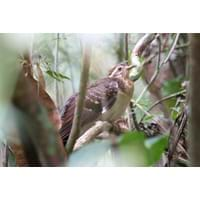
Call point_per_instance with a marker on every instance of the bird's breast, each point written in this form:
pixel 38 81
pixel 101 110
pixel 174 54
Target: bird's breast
pixel 119 107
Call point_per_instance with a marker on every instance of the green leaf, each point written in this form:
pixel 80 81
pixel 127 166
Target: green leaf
pixel 136 150
pixel 172 86
pixel 56 75
pixel 63 76
pixel 156 147
pixel 175 112
pixel 147 118
pixel 132 151
pixel 89 155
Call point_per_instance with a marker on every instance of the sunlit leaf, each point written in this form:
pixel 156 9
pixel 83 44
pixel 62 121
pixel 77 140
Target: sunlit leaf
pixel 147 118
pixel 136 150
pixel 132 151
pixel 56 75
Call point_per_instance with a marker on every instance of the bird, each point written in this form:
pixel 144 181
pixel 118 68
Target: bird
pixel 105 100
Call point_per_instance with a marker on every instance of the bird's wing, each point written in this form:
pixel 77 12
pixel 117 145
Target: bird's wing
pixel 67 118
pixel 99 98
pixel 111 90
pixel 103 94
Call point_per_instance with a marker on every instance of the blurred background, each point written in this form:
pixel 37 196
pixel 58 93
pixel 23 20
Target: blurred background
pixel 56 62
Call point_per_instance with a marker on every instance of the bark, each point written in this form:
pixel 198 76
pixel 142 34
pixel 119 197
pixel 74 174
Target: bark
pixel 80 102
pixel 195 100
pixel 92 133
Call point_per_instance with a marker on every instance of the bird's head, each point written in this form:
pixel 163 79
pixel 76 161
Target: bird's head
pixel 120 71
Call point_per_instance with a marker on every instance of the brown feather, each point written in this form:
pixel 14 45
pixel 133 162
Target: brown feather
pixel 100 97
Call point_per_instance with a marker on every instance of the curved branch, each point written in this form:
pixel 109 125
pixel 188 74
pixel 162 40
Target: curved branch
pixel 155 73
pixel 159 65
pixel 138 50
pixel 142 44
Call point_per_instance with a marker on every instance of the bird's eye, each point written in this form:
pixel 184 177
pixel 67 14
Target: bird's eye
pixel 120 68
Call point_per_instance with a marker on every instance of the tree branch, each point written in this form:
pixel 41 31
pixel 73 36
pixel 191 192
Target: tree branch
pixel 159 65
pixel 137 52
pixel 92 133
pixel 80 102
pixel 155 73
pixel 172 48
pixel 195 99
pixel 143 43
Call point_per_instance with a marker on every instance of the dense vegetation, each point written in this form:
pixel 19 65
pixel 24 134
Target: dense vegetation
pixel 38 77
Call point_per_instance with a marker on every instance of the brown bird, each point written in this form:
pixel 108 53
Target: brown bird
pixel 105 100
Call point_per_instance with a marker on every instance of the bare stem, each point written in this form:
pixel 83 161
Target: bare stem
pixel 80 102
pixel 154 75
pixel 159 65
pixel 172 48
pixel 58 103
pixel 126 46
pixel 164 99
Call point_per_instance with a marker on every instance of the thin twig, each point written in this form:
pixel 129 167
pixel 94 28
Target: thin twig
pixel 159 65
pixel 155 73
pixel 134 116
pixel 183 150
pixel 183 161
pixel 177 136
pixel 185 45
pixel 164 99
pixel 135 59
pixel 80 102
pixel 142 109
pixel 56 69
pixel 148 114
pixel 172 48
pixel 72 77
pixel 130 121
pixel 126 46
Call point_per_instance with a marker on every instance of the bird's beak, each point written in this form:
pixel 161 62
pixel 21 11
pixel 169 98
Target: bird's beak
pixel 129 67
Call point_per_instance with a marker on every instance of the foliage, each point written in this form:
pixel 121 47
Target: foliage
pixel 172 86
pixel 56 75
pixel 131 149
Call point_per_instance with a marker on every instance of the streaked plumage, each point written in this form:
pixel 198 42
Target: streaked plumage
pixel 105 100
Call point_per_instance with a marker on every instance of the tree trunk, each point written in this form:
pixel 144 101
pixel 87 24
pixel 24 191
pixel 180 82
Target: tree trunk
pixel 195 99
